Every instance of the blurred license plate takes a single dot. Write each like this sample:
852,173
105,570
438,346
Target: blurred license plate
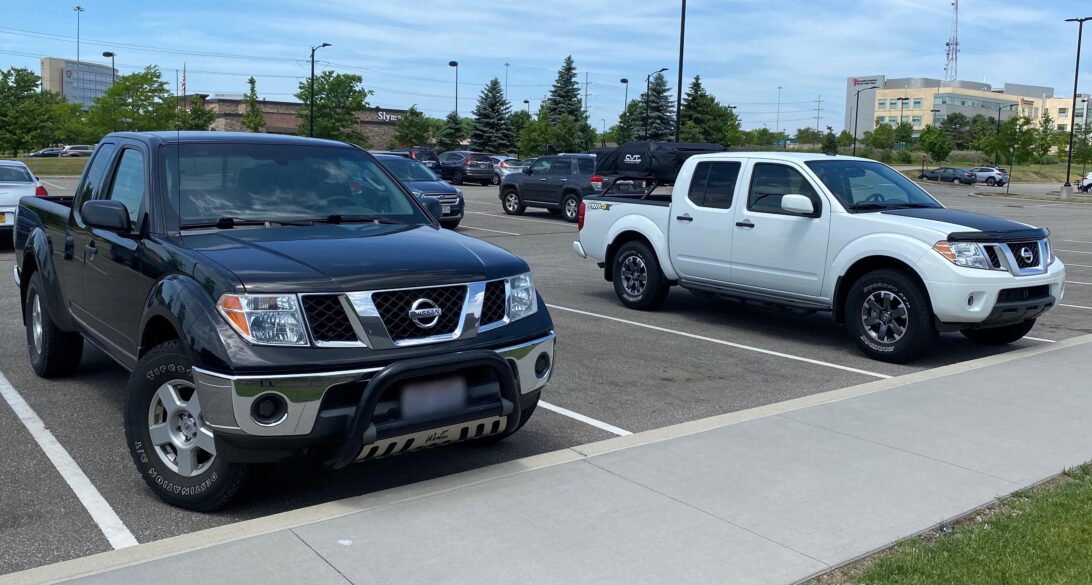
447,209
428,399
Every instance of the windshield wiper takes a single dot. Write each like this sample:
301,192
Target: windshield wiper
338,218
869,206
228,222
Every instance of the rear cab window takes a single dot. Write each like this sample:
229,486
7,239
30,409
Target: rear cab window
714,184
477,157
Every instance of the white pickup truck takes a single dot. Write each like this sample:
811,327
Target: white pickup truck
829,233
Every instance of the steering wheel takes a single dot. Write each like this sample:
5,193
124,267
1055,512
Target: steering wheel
342,201
875,198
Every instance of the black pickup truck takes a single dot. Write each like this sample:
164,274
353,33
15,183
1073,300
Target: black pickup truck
274,294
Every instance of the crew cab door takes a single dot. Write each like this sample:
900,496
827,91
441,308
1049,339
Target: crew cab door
701,223
113,286
775,250
79,235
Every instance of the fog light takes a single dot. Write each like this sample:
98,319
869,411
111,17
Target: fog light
542,364
268,409
970,301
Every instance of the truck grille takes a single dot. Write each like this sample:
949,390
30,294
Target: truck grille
991,252
1017,250
394,309
327,319
494,305
1026,293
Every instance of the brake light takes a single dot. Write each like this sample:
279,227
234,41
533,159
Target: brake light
413,155
40,191
597,182
580,217
466,161
503,164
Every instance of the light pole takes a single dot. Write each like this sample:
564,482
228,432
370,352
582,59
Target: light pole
777,124
528,102
625,103
902,108
506,66
311,125
678,87
603,136
997,149
79,67
455,64
1073,108
648,97
857,115
935,111
113,71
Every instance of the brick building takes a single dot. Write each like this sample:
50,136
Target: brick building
281,118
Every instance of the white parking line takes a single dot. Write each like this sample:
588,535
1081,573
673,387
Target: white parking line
1078,282
1067,265
586,419
483,202
722,342
1077,241
54,186
470,227
1072,251
108,521
558,223
1075,307
1029,338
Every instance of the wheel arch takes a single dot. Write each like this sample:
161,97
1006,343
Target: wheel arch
38,258
864,266
178,307
624,237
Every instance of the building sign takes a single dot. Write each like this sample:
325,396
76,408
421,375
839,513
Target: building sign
387,117
864,81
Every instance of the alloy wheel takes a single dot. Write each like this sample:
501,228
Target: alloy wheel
634,275
36,323
179,434
885,316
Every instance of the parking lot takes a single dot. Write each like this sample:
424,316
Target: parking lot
619,371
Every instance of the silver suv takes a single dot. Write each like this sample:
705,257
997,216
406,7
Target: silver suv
991,175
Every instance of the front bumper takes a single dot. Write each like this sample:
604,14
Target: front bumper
975,299
320,405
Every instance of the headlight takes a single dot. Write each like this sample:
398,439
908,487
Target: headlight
522,299
459,192
417,193
1050,253
966,254
265,319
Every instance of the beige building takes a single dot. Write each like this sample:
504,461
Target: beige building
923,101
79,82
281,118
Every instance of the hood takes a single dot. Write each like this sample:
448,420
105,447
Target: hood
430,187
351,257
971,227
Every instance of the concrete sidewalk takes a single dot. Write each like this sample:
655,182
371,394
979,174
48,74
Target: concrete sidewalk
769,495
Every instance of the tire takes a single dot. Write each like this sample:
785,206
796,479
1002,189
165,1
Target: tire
570,207
512,203
450,224
53,352
991,181
873,319
999,335
458,177
638,280
161,389
496,179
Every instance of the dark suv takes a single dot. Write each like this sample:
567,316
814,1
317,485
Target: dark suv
460,166
950,175
425,155
557,183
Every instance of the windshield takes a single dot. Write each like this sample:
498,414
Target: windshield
276,182
869,186
14,174
408,170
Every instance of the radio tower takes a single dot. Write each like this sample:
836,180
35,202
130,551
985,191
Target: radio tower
951,66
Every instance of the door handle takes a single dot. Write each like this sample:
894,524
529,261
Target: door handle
745,224
563,180
89,251
684,217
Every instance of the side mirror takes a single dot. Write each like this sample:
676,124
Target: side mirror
797,204
528,171
433,206
107,215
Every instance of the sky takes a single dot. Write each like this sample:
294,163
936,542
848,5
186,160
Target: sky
743,49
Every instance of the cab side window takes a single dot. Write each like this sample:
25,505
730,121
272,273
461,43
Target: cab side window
714,183
128,184
770,182
92,186
542,166
562,166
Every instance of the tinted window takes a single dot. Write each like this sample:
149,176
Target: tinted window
542,165
870,185
128,185
452,157
585,166
481,158
714,183
408,170
562,166
95,173
12,174
770,182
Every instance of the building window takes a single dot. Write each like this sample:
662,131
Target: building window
879,120
1063,113
894,121
916,121
1062,127
882,104
917,103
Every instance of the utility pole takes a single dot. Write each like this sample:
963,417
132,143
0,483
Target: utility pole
506,66
678,88
818,109
778,123
311,126
586,93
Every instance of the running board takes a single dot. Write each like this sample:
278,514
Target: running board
456,433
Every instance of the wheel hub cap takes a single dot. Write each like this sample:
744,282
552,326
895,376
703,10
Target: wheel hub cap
36,323
885,316
180,437
634,275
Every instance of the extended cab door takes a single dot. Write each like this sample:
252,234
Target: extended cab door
79,235
113,286
701,223
775,250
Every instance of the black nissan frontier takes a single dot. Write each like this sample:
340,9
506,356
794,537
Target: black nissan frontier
271,295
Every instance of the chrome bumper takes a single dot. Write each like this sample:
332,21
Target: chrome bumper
226,400
578,249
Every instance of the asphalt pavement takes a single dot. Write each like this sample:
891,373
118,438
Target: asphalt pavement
619,371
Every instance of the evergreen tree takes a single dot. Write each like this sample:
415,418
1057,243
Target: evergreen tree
958,128
830,142
196,116
412,129
253,118
626,130
657,117
338,99
564,96
518,120
690,132
704,119
492,131
904,133
452,134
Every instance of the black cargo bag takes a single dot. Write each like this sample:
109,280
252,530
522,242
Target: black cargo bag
660,161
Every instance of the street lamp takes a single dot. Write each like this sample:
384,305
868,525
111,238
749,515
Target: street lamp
311,127
997,147
79,67
678,87
506,66
528,102
455,64
857,115
935,111
1073,108
113,71
902,108
648,98
625,104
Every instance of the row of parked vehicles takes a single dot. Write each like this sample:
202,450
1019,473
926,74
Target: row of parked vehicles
72,150
992,176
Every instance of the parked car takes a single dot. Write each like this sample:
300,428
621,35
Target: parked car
460,166
950,175
557,183
51,152
388,153
77,150
274,294
16,181
990,175
504,165
528,162
427,156
826,233
1086,184
422,182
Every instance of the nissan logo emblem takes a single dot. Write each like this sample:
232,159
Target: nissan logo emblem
425,313
1027,254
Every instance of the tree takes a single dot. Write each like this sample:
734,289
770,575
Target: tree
492,131
626,129
983,131
339,97
29,119
518,119
1082,143
904,133
808,136
452,135
690,132
845,138
760,137
657,120
1017,139
883,137
534,138
1044,137
253,118
136,102
703,119
412,129
958,127
936,143
830,142
196,116
731,133
564,96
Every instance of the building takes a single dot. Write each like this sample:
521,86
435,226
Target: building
79,82
281,117
922,101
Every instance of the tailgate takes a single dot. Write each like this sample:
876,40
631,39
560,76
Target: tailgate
606,217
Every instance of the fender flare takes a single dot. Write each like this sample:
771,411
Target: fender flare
647,229
39,246
186,305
